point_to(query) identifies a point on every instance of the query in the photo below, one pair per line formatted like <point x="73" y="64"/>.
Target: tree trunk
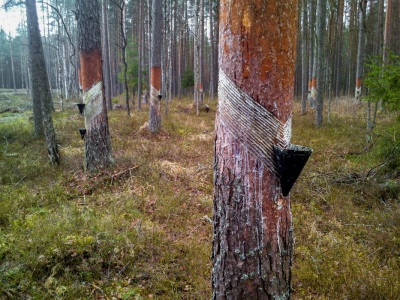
<point x="140" y="47"/>
<point x="97" y="138"/>
<point x="201" y="52"/>
<point x="361" y="47"/>
<point x="12" y="65"/>
<point x="252" y="242"/>
<point x="122" y="8"/>
<point x="149" y="38"/>
<point x="196" y="50"/>
<point x="304" y="61"/>
<point x="352" y="45"/>
<point x="106" y="57"/>
<point x="392" y="30"/>
<point x="212" y="58"/>
<point x="320" y="61"/>
<point x="313" y="60"/>
<point x="339" y="48"/>
<point x="155" y="70"/>
<point x="40" y="84"/>
<point x="216" y="48"/>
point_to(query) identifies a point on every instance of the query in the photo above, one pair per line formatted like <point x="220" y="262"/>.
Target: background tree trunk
<point x="339" y="48"/>
<point x="106" y="56"/>
<point x="252" y="242"/>
<point x="97" y="138"/>
<point x="140" y="58"/>
<point x="201" y="53"/>
<point x="40" y="84"/>
<point x="304" y="61"/>
<point x="212" y="58"/>
<point x="155" y="70"/>
<point x="361" y="47"/>
<point x="320" y="61"/>
<point x="12" y="66"/>
<point x="196" y="54"/>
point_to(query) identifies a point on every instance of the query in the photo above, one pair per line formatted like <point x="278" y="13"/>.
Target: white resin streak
<point x="252" y="124"/>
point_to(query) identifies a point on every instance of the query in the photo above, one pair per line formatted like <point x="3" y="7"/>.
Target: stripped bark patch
<point x="90" y="71"/>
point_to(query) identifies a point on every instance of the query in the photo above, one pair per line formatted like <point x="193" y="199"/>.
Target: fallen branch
<point x="124" y="172"/>
<point x="11" y="109"/>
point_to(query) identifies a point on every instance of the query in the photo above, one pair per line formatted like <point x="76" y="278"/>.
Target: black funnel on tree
<point x="290" y="162"/>
<point x="159" y="97"/>
<point x="81" y="107"/>
<point x="82" y="131"/>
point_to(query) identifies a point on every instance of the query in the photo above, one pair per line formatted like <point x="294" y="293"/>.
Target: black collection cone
<point x="290" y="162"/>
<point x="81" y="107"/>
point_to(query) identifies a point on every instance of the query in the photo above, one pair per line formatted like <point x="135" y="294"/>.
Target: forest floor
<point x="143" y="229"/>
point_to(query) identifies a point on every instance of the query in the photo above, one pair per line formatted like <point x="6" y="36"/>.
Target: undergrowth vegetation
<point x="143" y="229"/>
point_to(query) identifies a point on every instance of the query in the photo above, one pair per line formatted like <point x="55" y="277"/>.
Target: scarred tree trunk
<point x="40" y="84"/>
<point x="252" y="242"/>
<point x="155" y="67"/>
<point x="312" y="83"/>
<point x="97" y="138"/>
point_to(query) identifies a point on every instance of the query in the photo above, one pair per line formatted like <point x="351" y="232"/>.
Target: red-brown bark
<point x="91" y="68"/>
<point x="155" y="78"/>
<point x="266" y="73"/>
<point x="359" y="83"/>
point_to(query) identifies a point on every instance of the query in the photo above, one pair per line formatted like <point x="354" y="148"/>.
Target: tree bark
<point x="212" y="59"/>
<point x="140" y="47"/>
<point x="304" y="61"/>
<point x="196" y="55"/>
<point x="392" y="30"/>
<point x="201" y="52"/>
<point x="40" y="84"/>
<point x="320" y="61"/>
<point x="252" y="241"/>
<point x="313" y="60"/>
<point x="106" y="57"/>
<point x="361" y="47"/>
<point x="155" y="69"/>
<point x="339" y="48"/>
<point x="12" y="65"/>
<point x="97" y="138"/>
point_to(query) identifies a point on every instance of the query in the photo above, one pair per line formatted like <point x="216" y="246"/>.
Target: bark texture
<point x="40" y="84"/>
<point x="320" y="62"/>
<point x="252" y="242"/>
<point x="155" y="70"/>
<point x="304" y="59"/>
<point x="97" y="138"/>
<point x="392" y="28"/>
<point x="106" y="58"/>
<point x="361" y="47"/>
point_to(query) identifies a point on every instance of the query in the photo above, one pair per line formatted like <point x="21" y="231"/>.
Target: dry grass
<point x="142" y="229"/>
